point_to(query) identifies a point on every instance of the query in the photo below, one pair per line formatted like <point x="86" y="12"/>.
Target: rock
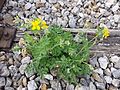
<point x="114" y="59"/>
<point x="32" y="85"/>
<point x="107" y="72"/>
<point x="28" y="6"/>
<point x="9" y="88"/>
<point x="100" y="86"/>
<point x="48" y="76"/>
<point x="61" y="3"/>
<point x="103" y="61"/>
<point x="116" y="18"/>
<point x="97" y="77"/>
<point x="116" y="73"/>
<point x="52" y="1"/>
<point x="108" y="79"/>
<point x="8" y="82"/>
<point x="26" y="60"/>
<point x="75" y="10"/>
<point x="109" y="3"/>
<point x="4" y="71"/>
<point x="2" y="81"/>
<point x="117" y="64"/>
<point x="115" y="8"/>
<point x="92" y="86"/>
<point x="24" y="81"/>
<point x="116" y="82"/>
<point x="112" y="88"/>
<point x="2" y="58"/>
<point x="72" y="22"/>
<point x="22" y="68"/>
<point x="81" y="87"/>
<point x="13" y="3"/>
<point x="93" y="61"/>
<point x="83" y="82"/>
<point x="13" y="70"/>
<point x="55" y="85"/>
<point x="11" y="61"/>
<point x="99" y="71"/>
<point x="70" y="87"/>
<point x="20" y="87"/>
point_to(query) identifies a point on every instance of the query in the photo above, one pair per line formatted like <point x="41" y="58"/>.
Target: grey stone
<point x="48" y="76"/>
<point x="52" y="1"/>
<point x="117" y="64"/>
<point x="116" y="82"/>
<point x="28" y="6"/>
<point x="13" y="3"/>
<point x="107" y="72"/>
<point x="22" y="68"/>
<point x="72" y="22"/>
<point x="114" y="59"/>
<point x="55" y="85"/>
<point x="5" y="71"/>
<point x="99" y="71"/>
<point x="2" y="81"/>
<point x="70" y="87"/>
<point x="32" y="85"/>
<point x="100" y="86"/>
<point x="108" y="79"/>
<point x="8" y="82"/>
<point x="92" y="86"/>
<point x="97" y="77"/>
<point x="75" y="10"/>
<point x="103" y="61"/>
<point x="116" y="7"/>
<point x="81" y="87"/>
<point x="116" y="73"/>
<point x="13" y="70"/>
<point x="2" y="58"/>
<point x="26" y="60"/>
<point x="9" y="88"/>
<point x="93" y="61"/>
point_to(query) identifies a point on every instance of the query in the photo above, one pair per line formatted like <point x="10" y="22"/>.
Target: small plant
<point x="57" y="51"/>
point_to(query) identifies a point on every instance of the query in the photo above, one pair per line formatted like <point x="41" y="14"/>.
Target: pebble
<point x="114" y="59"/>
<point x="8" y="82"/>
<point x="9" y="88"/>
<point x="108" y="79"/>
<point x="48" y="76"/>
<point x="26" y="60"/>
<point x="22" y="68"/>
<point x="72" y="22"/>
<point x="2" y="81"/>
<point x="103" y="62"/>
<point x="55" y="85"/>
<point x="100" y="86"/>
<point x="2" y="58"/>
<point x="92" y="86"/>
<point x="116" y="73"/>
<point x="4" y="71"/>
<point x="70" y="87"/>
<point x="24" y="81"/>
<point x="115" y="8"/>
<point x="116" y="82"/>
<point x="32" y="85"/>
<point x="97" y="77"/>
<point x="28" y="6"/>
<point x="99" y="71"/>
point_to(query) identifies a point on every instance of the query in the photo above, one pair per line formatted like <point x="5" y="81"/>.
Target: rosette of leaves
<point x="57" y="50"/>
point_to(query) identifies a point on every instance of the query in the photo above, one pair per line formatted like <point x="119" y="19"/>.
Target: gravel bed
<point x="66" y="13"/>
<point x="13" y="76"/>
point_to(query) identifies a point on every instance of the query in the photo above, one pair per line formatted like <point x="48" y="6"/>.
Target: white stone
<point x="48" y="76"/>
<point x="28" y="6"/>
<point x="114" y="59"/>
<point x="22" y="68"/>
<point x="26" y="60"/>
<point x="43" y="1"/>
<point x="61" y="3"/>
<point x="99" y="71"/>
<point x="116" y="82"/>
<point x="108" y="79"/>
<point x="103" y="62"/>
<point x="116" y="7"/>
<point x="75" y="10"/>
<point x="92" y="86"/>
<point x="32" y="85"/>
<point x="110" y="2"/>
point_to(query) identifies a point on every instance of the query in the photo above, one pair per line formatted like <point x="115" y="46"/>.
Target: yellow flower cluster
<point x="105" y="32"/>
<point x="38" y="24"/>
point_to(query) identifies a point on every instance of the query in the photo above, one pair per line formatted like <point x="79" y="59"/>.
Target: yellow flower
<point x="35" y="24"/>
<point x="39" y="24"/>
<point x="105" y="32"/>
<point x="44" y="25"/>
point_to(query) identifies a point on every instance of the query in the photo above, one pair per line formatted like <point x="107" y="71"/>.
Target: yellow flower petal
<point x="38" y="27"/>
<point x="33" y="28"/>
<point x="44" y="27"/>
<point x="105" y="32"/>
